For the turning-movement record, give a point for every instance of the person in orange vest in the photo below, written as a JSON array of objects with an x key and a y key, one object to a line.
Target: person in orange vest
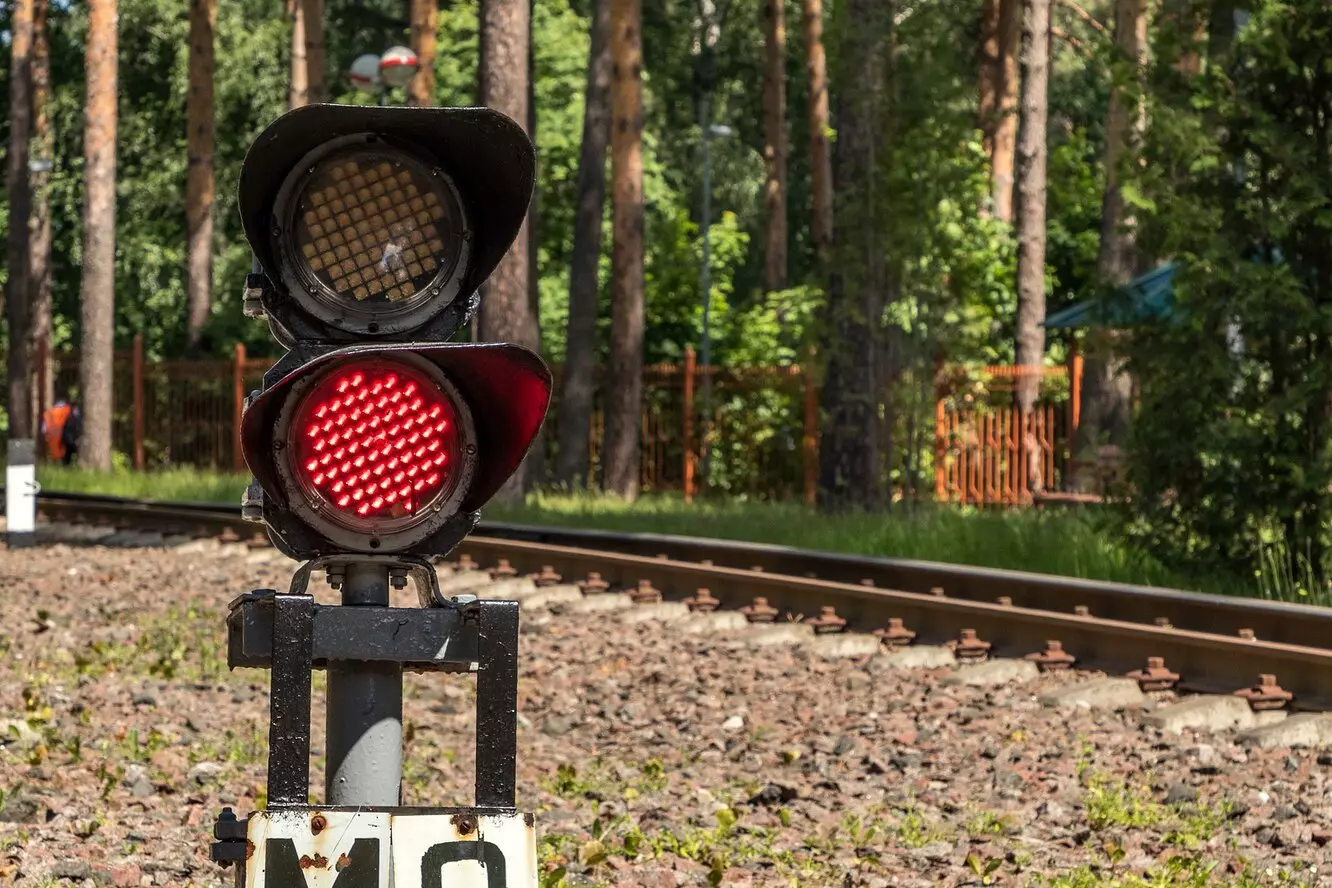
[{"x": 61, "y": 424}]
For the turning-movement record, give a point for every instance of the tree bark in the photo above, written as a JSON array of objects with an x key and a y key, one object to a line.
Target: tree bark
[
  {"x": 820, "y": 157},
  {"x": 1031, "y": 210},
  {"x": 849, "y": 449},
  {"x": 199, "y": 193},
  {"x": 99, "y": 236},
  {"x": 300, "y": 75},
  {"x": 624, "y": 399},
  {"x": 316, "y": 77},
  {"x": 1107, "y": 390},
  {"x": 991, "y": 75},
  {"x": 575, "y": 422},
  {"x": 39, "y": 225},
  {"x": 425, "y": 27},
  {"x": 506, "y": 314},
  {"x": 1008, "y": 80},
  {"x": 18, "y": 400},
  {"x": 774, "y": 144}
]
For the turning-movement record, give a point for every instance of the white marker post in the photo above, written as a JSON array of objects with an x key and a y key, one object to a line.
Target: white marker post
[{"x": 21, "y": 492}]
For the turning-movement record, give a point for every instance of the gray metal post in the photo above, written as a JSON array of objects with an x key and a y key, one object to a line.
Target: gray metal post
[{"x": 364, "y": 721}]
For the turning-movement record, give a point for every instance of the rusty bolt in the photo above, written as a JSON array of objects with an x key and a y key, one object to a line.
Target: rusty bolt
[
  {"x": 1156, "y": 677},
  {"x": 970, "y": 648},
  {"x": 646, "y": 593},
  {"x": 1081, "y": 610},
  {"x": 1163, "y": 622},
  {"x": 938, "y": 592},
  {"x": 1005, "y": 601},
  {"x": 344, "y": 861},
  {"x": 702, "y": 602},
  {"x": 867, "y": 582},
  {"x": 593, "y": 584},
  {"x": 503, "y": 569},
  {"x": 547, "y": 577},
  {"x": 465, "y": 562},
  {"x": 398, "y": 578},
  {"x": 465, "y": 824},
  {"x": 706, "y": 562},
  {"x": 318, "y": 824},
  {"x": 758, "y": 568},
  {"x": 1267, "y": 694},
  {"x": 319, "y": 861},
  {"x": 896, "y": 635},
  {"x": 827, "y": 621},
  {"x": 1247, "y": 634},
  {"x": 759, "y": 611},
  {"x": 1053, "y": 658}
]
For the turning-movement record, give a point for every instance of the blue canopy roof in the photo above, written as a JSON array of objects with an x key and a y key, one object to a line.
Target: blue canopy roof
[{"x": 1148, "y": 297}]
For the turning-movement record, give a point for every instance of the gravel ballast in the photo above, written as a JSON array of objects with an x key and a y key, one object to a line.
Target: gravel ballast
[{"x": 656, "y": 749}]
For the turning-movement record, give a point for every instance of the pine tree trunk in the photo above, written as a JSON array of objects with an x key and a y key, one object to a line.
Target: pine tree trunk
[
  {"x": 18, "y": 395},
  {"x": 849, "y": 447},
  {"x": 300, "y": 76},
  {"x": 991, "y": 75},
  {"x": 820, "y": 157},
  {"x": 774, "y": 144},
  {"x": 1107, "y": 390},
  {"x": 316, "y": 77},
  {"x": 624, "y": 397},
  {"x": 1008, "y": 81},
  {"x": 1031, "y": 210},
  {"x": 506, "y": 314},
  {"x": 580, "y": 354},
  {"x": 199, "y": 182},
  {"x": 425, "y": 26},
  {"x": 39, "y": 226},
  {"x": 99, "y": 237}
]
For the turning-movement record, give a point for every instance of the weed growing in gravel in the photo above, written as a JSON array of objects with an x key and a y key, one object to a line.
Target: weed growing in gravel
[
  {"x": 914, "y": 831},
  {"x": 1176, "y": 872},
  {"x": 1111, "y": 802},
  {"x": 181, "y": 643}
]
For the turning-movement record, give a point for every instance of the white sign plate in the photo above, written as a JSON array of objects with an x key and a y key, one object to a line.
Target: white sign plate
[{"x": 313, "y": 848}]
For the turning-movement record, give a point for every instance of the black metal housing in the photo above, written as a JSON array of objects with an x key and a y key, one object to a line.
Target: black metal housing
[
  {"x": 486, "y": 155},
  {"x": 506, "y": 389}
]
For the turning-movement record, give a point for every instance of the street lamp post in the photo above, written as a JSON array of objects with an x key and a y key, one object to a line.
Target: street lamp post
[{"x": 709, "y": 132}]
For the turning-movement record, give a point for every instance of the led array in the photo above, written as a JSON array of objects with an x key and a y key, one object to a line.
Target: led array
[
  {"x": 371, "y": 229},
  {"x": 376, "y": 441}
]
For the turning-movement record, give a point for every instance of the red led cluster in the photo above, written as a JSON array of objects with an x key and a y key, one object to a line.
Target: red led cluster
[{"x": 376, "y": 440}]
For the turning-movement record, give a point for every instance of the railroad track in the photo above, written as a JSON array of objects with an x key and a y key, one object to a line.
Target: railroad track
[{"x": 1193, "y": 641}]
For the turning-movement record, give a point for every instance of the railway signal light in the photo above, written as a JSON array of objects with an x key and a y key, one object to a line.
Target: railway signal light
[{"x": 372, "y": 229}]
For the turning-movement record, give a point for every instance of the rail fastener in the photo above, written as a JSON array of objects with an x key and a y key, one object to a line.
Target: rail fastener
[
  {"x": 1054, "y": 658},
  {"x": 1266, "y": 695},
  {"x": 896, "y": 635},
  {"x": 827, "y": 622},
  {"x": 1155, "y": 676},
  {"x": 702, "y": 602}
]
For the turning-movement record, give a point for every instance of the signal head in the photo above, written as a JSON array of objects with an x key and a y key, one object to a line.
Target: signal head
[
  {"x": 381, "y": 222},
  {"x": 382, "y": 449}
]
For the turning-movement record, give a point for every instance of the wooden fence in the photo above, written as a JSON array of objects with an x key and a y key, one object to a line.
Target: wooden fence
[{"x": 756, "y": 428}]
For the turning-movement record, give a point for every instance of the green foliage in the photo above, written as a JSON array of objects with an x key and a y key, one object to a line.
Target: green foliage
[{"x": 1230, "y": 454}]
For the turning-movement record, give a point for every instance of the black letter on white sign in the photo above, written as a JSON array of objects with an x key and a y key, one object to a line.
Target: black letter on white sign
[
  {"x": 283, "y": 866},
  {"x": 488, "y": 854}
]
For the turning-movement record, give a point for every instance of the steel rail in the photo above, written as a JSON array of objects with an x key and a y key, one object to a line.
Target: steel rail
[{"x": 1201, "y": 642}]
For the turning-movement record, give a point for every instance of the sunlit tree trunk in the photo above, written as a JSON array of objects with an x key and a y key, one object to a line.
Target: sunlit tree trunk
[
  {"x": 199, "y": 180},
  {"x": 624, "y": 396},
  {"x": 39, "y": 226},
  {"x": 1031, "y": 209},
  {"x": 575, "y": 420},
  {"x": 1008, "y": 80},
  {"x": 425, "y": 25},
  {"x": 316, "y": 75},
  {"x": 990, "y": 74},
  {"x": 98, "y": 292},
  {"x": 849, "y": 447},
  {"x": 299, "y": 93},
  {"x": 506, "y": 309},
  {"x": 774, "y": 144},
  {"x": 820, "y": 157},
  {"x": 18, "y": 399}
]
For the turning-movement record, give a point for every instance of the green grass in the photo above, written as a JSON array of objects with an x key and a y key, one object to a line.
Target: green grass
[{"x": 1074, "y": 543}]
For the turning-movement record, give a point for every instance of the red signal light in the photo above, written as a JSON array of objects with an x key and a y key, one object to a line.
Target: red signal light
[{"x": 376, "y": 441}]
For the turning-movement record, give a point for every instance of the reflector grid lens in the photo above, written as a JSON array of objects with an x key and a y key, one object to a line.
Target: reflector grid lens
[
  {"x": 375, "y": 227},
  {"x": 376, "y": 441}
]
